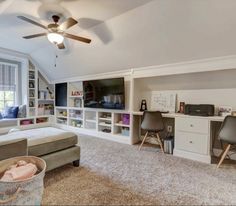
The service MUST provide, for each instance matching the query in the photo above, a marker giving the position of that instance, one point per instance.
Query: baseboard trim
(192, 156)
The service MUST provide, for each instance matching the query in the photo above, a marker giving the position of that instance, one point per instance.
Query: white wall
(218, 88)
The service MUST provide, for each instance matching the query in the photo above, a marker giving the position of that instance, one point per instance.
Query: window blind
(7, 77)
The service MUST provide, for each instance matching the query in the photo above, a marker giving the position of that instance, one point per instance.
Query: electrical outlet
(169, 129)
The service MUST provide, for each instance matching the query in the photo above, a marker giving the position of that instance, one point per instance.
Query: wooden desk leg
(223, 155)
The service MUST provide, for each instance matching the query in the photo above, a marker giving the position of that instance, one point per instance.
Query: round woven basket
(22, 192)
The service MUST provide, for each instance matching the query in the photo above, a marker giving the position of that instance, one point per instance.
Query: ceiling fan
(55, 32)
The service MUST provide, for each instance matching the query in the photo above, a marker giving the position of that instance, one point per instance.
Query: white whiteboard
(164, 101)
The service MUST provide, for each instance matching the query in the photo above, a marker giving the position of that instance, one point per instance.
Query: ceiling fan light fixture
(55, 38)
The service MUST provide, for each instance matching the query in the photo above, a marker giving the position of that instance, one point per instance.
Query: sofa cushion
(8, 123)
(10, 112)
(45, 140)
(22, 111)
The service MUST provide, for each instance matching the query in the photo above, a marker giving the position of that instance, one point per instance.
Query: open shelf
(104, 124)
(122, 125)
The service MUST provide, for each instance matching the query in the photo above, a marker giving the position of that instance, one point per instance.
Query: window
(8, 82)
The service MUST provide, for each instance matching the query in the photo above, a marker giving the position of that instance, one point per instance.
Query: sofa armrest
(13, 148)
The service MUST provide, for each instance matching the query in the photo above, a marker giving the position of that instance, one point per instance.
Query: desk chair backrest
(228, 130)
(152, 121)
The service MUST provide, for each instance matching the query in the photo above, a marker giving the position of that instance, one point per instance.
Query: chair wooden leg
(143, 140)
(159, 141)
(223, 155)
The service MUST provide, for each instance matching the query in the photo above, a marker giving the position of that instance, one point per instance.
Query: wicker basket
(26, 192)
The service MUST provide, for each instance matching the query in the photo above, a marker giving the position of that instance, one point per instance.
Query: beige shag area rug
(119, 174)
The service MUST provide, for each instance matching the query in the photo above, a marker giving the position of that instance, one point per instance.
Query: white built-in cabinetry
(192, 138)
(104, 123)
(40, 107)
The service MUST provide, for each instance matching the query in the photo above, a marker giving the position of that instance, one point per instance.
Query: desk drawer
(192, 142)
(189, 124)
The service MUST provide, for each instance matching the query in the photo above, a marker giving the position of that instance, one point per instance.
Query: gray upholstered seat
(153, 124)
(227, 134)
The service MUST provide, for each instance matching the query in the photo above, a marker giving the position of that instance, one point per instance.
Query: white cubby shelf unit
(39, 107)
(108, 124)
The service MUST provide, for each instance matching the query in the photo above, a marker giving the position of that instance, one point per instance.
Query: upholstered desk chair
(227, 134)
(152, 122)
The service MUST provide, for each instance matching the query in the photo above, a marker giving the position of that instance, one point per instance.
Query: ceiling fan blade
(67, 24)
(31, 21)
(78, 38)
(61, 46)
(34, 35)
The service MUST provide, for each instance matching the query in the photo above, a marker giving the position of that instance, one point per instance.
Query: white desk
(193, 134)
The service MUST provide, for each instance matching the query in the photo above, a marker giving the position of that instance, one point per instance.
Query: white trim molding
(203, 65)
(122, 73)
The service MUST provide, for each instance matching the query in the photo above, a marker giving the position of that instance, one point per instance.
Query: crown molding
(121, 73)
(202, 65)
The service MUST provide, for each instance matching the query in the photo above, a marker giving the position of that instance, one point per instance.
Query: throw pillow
(22, 111)
(10, 112)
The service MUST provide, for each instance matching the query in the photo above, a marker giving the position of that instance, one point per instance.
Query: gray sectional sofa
(56, 146)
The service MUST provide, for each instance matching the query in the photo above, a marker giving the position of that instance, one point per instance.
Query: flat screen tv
(105, 93)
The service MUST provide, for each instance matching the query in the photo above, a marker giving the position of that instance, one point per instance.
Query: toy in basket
(22, 192)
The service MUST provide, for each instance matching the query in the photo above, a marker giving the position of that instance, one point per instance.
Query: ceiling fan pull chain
(56, 56)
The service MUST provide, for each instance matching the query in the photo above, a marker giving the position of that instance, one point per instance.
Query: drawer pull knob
(191, 125)
(190, 142)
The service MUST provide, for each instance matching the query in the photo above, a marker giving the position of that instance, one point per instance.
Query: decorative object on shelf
(31, 103)
(31, 84)
(42, 94)
(225, 111)
(181, 107)
(125, 119)
(41, 120)
(31, 94)
(77, 103)
(26, 122)
(40, 109)
(106, 115)
(50, 93)
(143, 105)
(77, 93)
(31, 75)
(107, 130)
(125, 131)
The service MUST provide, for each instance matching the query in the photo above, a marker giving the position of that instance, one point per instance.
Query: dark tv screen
(105, 93)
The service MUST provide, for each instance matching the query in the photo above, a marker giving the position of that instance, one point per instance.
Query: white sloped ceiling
(125, 34)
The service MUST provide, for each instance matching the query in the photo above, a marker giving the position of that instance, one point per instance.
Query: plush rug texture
(119, 174)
